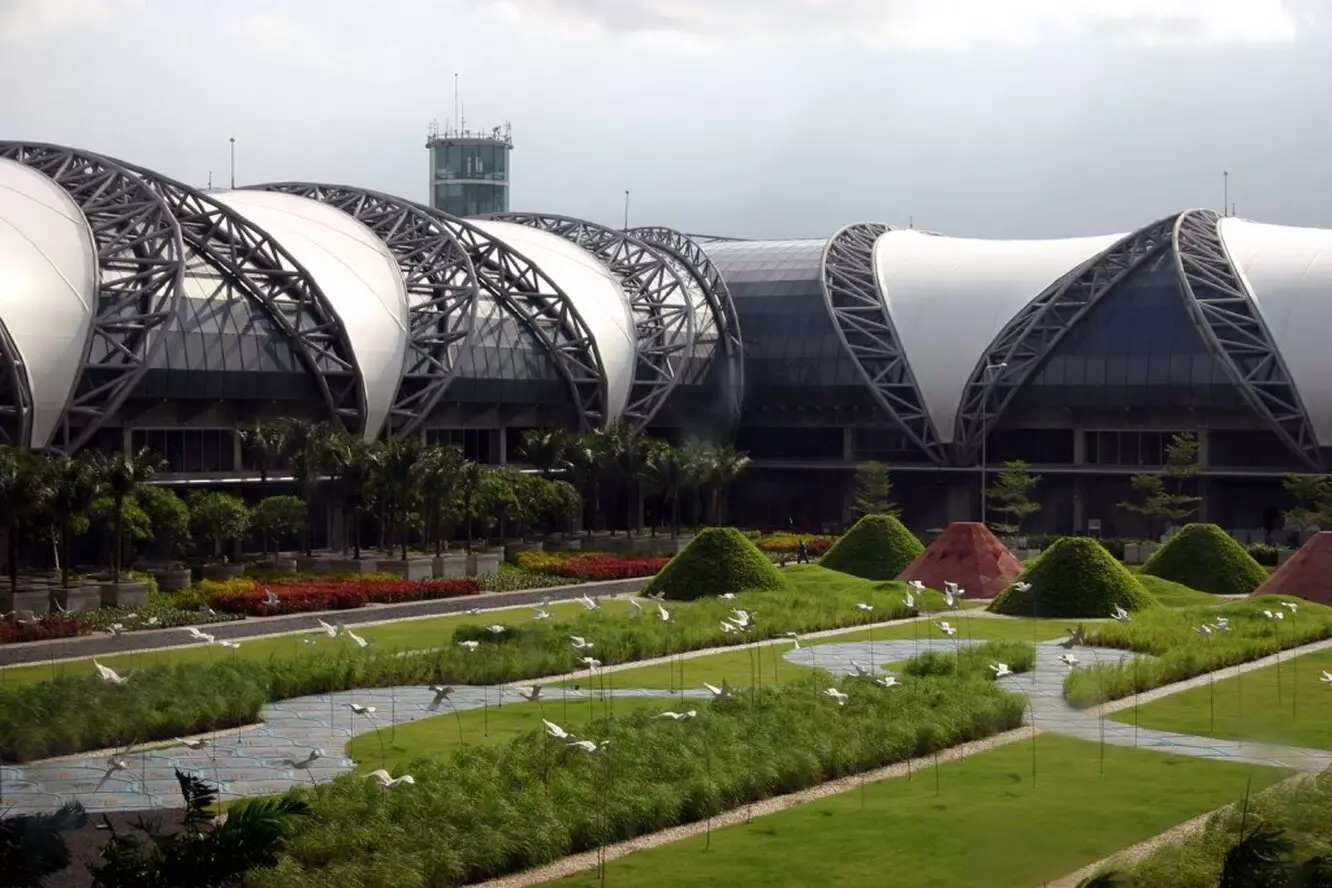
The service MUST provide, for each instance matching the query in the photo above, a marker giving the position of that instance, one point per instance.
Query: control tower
(469, 169)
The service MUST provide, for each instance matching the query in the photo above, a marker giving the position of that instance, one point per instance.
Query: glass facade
(469, 176)
(189, 450)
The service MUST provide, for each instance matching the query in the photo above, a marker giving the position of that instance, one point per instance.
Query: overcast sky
(992, 118)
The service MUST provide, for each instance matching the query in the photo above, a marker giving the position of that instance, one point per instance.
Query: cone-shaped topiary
(717, 561)
(1204, 557)
(878, 547)
(1074, 577)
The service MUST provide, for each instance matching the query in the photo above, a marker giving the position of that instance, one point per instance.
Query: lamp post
(990, 370)
(233, 163)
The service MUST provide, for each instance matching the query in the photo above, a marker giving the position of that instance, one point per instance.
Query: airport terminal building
(138, 311)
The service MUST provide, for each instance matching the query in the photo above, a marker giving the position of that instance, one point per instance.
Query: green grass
(1291, 706)
(422, 634)
(986, 826)
(1173, 594)
(438, 737)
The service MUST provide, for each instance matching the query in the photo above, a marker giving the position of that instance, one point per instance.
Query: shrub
(595, 568)
(719, 560)
(878, 547)
(43, 628)
(782, 543)
(1075, 577)
(489, 811)
(306, 597)
(542, 562)
(1204, 557)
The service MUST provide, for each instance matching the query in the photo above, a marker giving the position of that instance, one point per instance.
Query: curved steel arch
(141, 255)
(251, 264)
(440, 280)
(718, 296)
(1028, 339)
(15, 394)
(1219, 301)
(855, 303)
(663, 329)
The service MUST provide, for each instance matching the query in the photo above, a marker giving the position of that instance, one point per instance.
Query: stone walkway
(256, 760)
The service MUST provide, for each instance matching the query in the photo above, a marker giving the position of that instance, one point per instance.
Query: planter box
(1132, 553)
(124, 594)
(558, 543)
(272, 566)
(352, 566)
(513, 547)
(316, 564)
(480, 564)
(173, 579)
(37, 600)
(411, 569)
(1147, 550)
(223, 572)
(80, 596)
(640, 545)
(449, 566)
(664, 546)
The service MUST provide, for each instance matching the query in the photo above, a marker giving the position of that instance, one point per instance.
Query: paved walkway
(256, 760)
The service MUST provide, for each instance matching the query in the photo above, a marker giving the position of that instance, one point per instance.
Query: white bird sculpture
(305, 763)
(442, 693)
(151, 621)
(496, 629)
(362, 709)
(389, 782)
(741, 619)
(918, 586)
(837, 695)
(588, 602)
(1327, 677)
(194, 744)
(1291, 606)
(1203, 630)
(473, 611)
(107, 674)
(1119, 615)
(541, 614)
(555, 731)
(270, 598)
(951, 593)
(329, 630)
(360, 642)
(637, 609)
(469, 645)
(867, 608)
(1068, 660)
(531, 695)
(580, 643)
(664, 614)
(589, 662)
(1022, 586)
(229, 645)
(679, 716)
(888, 681)
(116, 762)
(310, 641)
(728, 596)
(1001, 670)
(718, 693)
(590, 747)
(946, 628)
(113, 630)
(200, 636)
(728, 629)
(795, 638)
(861, 671)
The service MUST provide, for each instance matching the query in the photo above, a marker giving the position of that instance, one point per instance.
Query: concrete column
(1079, 446)
(848, 452)
(1079, 503)
(1206, 508)
(961, 501)
(1204, 450)
(503, 439)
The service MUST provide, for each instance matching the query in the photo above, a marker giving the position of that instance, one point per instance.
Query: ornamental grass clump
(486, 812)
(1205, 557)
(1074, 578)
(878, 547)
(1176, 651)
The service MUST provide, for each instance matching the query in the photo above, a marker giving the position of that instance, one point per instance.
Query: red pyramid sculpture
(1308, 573)
(969, 554)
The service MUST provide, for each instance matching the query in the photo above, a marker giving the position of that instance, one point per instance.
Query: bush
(877, 547)
(1074, 577)
(306, 597)
(719, 560)
(782, 543)
(595, 568)
(43, 628)
(1204, 557)
(489, 811)
(1264, 553)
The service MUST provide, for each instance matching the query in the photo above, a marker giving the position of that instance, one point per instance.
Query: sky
(749, 118)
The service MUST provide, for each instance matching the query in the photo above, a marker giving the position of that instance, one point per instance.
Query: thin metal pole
(626, 209)
(1225, 202)
(233, 162)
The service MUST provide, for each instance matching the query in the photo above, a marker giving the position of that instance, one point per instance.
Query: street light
(990, 372)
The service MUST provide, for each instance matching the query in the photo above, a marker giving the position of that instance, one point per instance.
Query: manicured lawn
(1176, 594)
(986, 826)
(402, 635)
(494, 726)
(1252, 707)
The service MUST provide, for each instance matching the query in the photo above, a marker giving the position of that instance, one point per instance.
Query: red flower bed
(51, 626)
(302, 597)
(591, 568)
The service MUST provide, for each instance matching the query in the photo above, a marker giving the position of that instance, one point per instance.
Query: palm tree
(400, 460)
(695, 455)
(548, 450)
(120, 473)
(598, 458)
(722, 465)
(355, 465)
(438, 472)
(470, 476)
(73, 485)
(266, 443)
(629, 451)
(21, 494)
(667, 472)
(306, 446)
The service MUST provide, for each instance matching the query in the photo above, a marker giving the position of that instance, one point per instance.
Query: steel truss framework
(718, 297)
(441, 286)
(658, 300)
(856, 306)
(1224, 311)
(250, 264)
(141, 256)
(1028, 339)
(15, 394)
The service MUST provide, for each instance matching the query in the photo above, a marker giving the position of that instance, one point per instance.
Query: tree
(120, 473)
(722, 464)
(873, 491)
(276, 516)
(470, 476)
(439, 470)
(1313, 500)
(355, 466)
(266, 443)
(666, 471)
(22, 492)
(495, 500)
(399, 460)
(1169, 501)
(220, 517)
(72, 482)
(306, 446)
(563, 502)
(208, 852)
(32, 847)
(548, 449)
(169, 517)
(1010, 495)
